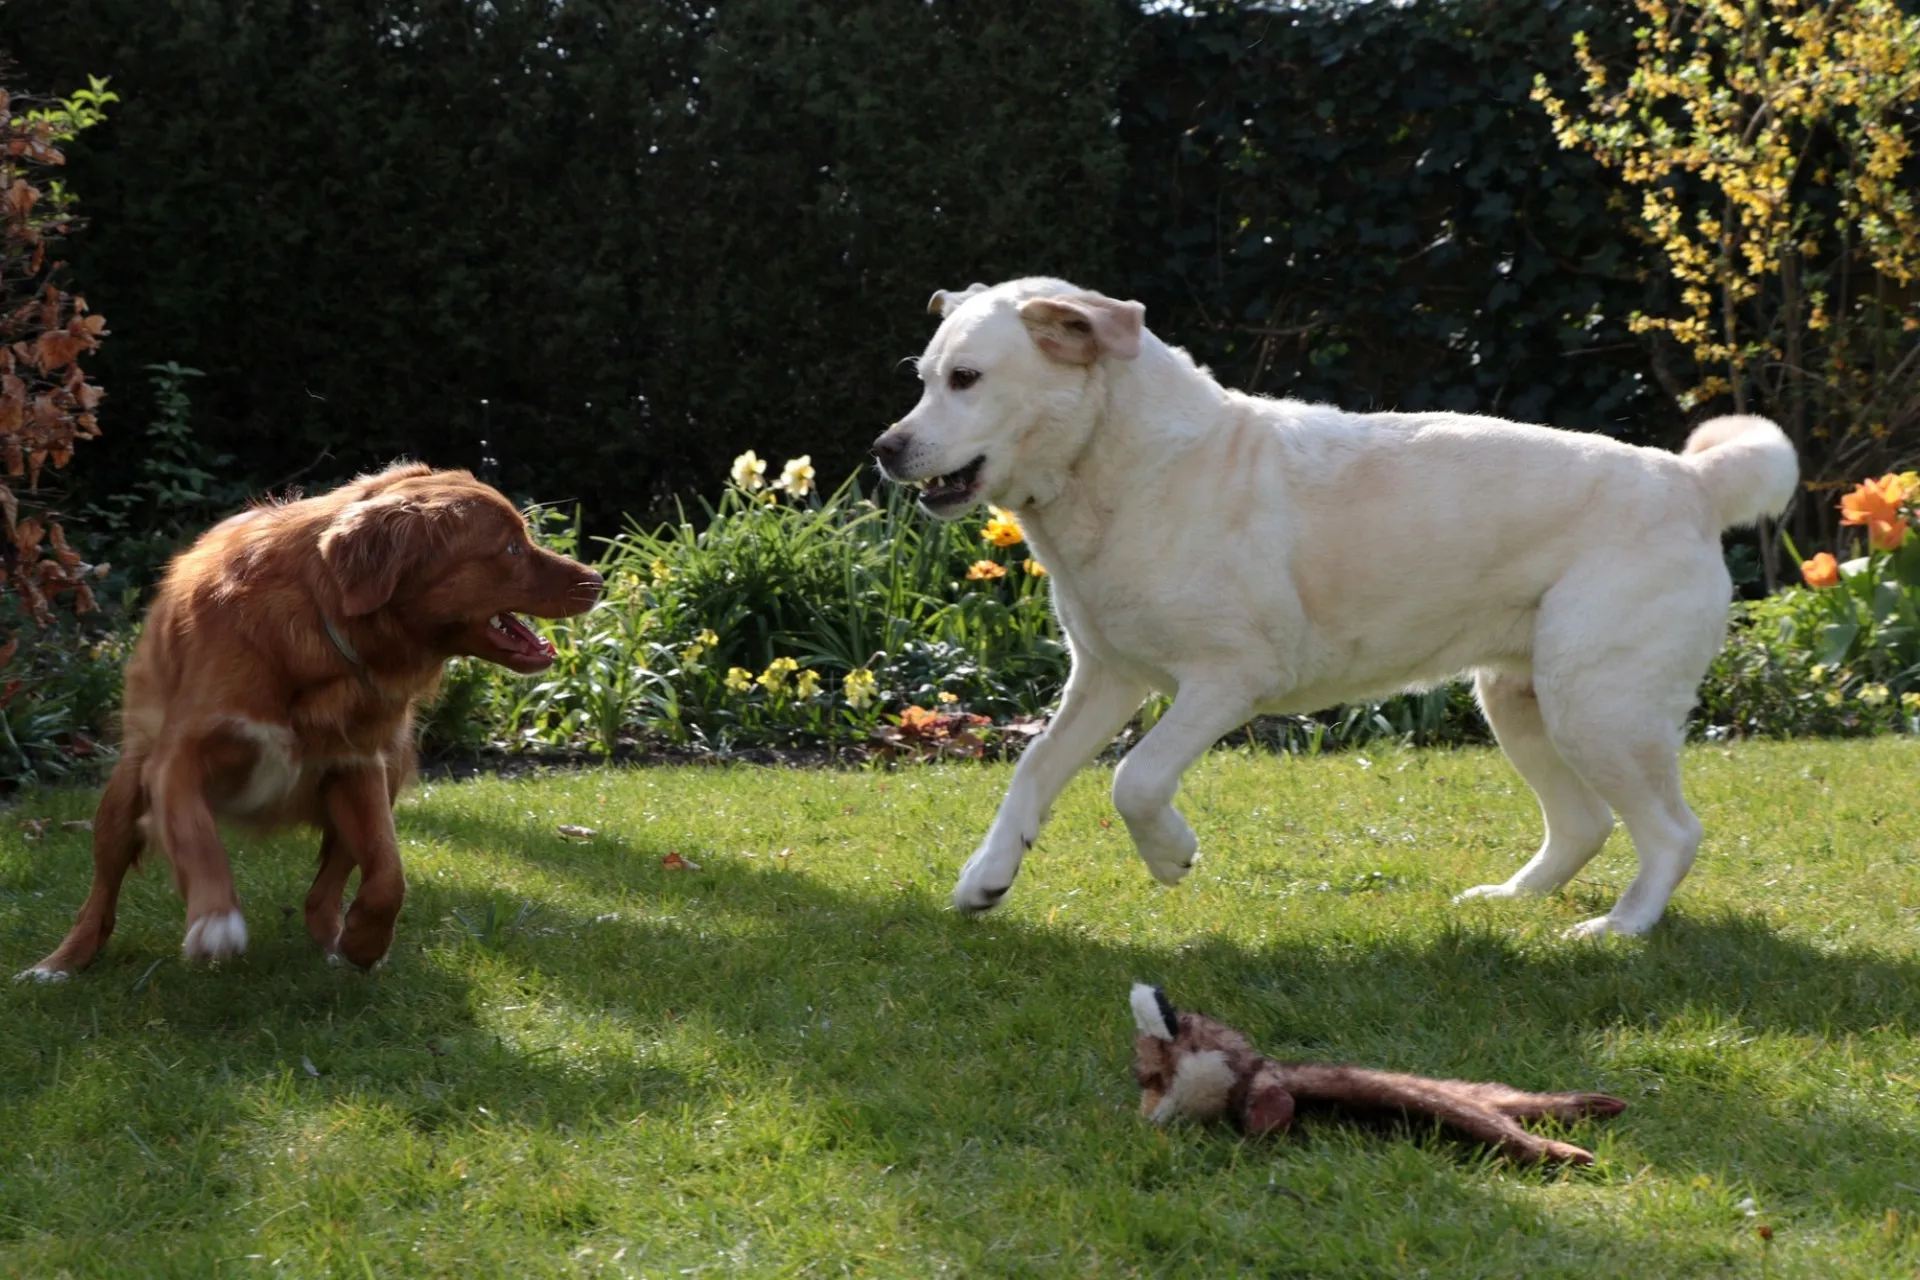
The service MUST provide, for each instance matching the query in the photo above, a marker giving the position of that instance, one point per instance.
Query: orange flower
(985, 570)
(1876, 504)
(1035, 569)
(1821, 571)
(1002, 530)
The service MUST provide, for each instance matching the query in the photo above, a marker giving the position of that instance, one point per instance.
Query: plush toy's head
(1189, 1065)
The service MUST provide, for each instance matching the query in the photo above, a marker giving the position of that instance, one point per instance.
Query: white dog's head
(1008, 392)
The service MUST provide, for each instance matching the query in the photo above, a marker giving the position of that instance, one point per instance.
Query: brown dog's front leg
(329, 883)
(359, 814)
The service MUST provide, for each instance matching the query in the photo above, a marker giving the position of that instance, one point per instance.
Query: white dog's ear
(1076, 328)
(945, 300)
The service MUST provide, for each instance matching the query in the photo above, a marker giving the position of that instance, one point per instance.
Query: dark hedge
(623, 241)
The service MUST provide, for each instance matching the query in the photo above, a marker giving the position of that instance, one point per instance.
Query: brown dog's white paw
(215, 937)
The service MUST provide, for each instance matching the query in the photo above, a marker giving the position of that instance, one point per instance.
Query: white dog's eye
(961, 379)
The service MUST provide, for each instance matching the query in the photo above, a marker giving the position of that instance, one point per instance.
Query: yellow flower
(1821, 571)
(858, 687)
(1034, 568)
(739, 679)
(948, 698)
(690, 656)
(1818, 671)
(1834, 698)
(774, 678)
(1910, 700)
(1002, 530)
(662, 572)
(707, 638)
(797, 477)
(986, 571)
(1873, 694)
(806, 684)
(749, 471)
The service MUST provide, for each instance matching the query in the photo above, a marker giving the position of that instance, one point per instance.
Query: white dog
(1253, 556)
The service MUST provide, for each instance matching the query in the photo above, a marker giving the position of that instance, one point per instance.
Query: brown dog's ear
(1076, 328)
(369, 546)
(945, 300)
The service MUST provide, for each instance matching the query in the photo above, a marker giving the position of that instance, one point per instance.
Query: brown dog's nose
(890, 447)
(587, 589)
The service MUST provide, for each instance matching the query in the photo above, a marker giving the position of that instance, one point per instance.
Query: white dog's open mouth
(954, 490)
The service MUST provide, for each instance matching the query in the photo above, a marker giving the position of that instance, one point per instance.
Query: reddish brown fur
(1267, 1093)
(239, 705)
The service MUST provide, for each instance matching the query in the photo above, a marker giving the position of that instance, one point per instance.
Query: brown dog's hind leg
(329, 884)
(359, 809)
(1522, 1105)
(117, 842)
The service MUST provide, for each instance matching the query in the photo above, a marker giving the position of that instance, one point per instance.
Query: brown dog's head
(449, 561)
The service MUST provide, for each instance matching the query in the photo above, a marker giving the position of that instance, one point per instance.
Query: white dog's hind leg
(1144, 785)
(1096, 706)
(1578, 820)
(1642, 780)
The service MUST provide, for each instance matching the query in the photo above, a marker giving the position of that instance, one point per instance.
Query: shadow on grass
(939, 1044)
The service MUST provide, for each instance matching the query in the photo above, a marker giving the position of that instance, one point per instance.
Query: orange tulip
(1876, 504)
(1821, 571)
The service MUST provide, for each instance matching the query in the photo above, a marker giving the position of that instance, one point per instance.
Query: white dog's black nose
(890, 448)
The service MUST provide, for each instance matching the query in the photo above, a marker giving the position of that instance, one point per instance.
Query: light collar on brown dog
(340, 643)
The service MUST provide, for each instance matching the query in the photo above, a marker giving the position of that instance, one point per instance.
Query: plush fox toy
(1189, 1065)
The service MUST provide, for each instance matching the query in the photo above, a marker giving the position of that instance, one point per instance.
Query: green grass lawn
(796, 1060)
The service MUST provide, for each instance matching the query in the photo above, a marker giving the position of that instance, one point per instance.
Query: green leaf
(1905, 564)
(1836, 641)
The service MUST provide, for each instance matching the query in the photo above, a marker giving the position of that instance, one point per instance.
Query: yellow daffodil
(858, 688)
(750, 471)
(739, 679)
(797, 476)
(774, 678)
(1034, 568)
(986, 571)
(1002, 529)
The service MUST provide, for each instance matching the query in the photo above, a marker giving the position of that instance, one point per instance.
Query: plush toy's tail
(1153, 1013)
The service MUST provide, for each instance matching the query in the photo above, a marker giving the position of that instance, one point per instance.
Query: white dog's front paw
(984, 881)
(215, 937)
(1506, 890)
(1171, 869)
(1607, 927)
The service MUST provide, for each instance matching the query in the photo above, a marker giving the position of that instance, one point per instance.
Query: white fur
(1267, 556)
(1147, 1015)
(40, 973)
(276, 768)
(1200, 1085)
(215, 937)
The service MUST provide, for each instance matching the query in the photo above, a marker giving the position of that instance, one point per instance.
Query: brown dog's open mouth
(517, 645)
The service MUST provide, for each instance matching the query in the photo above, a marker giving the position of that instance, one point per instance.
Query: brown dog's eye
(513, 548)
(961, 379)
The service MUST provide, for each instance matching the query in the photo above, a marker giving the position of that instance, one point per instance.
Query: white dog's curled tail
(1747, 465)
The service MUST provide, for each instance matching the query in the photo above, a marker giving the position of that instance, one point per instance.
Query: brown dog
(1187, 1064)
(275, 682)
